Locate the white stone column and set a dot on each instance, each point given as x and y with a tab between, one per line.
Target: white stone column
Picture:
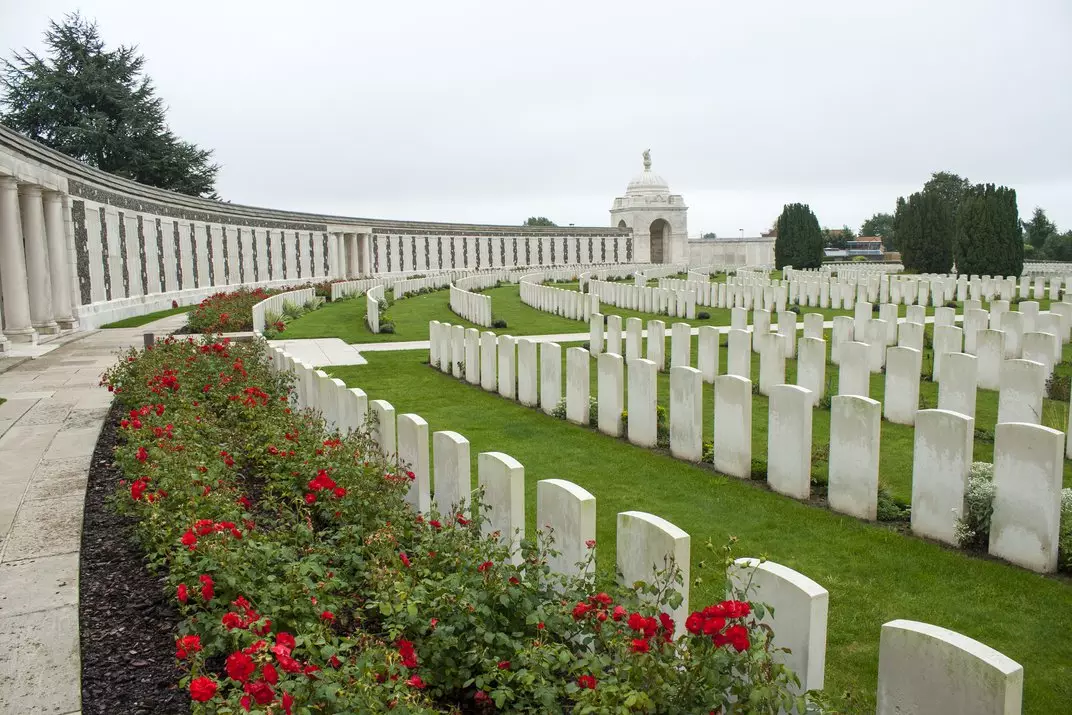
58	260
32	213
13	266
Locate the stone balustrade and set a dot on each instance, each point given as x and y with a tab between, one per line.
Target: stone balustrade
922	667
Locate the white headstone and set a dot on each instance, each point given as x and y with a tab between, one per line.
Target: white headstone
686	413
503	480
903	367
941	460
488	361
811	367
990	353
578	385
413	455
1023	383
707	352
611	393
1028	469
645	544
928	669
680	344
800	607
507	354
642	396
527	392
854	455
854	375
569	513
956	391
384	430
733	426
634	328
739	354
789	441
453	484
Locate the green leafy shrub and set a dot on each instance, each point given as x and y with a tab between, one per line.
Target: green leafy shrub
889	509
703	315
1058	387
560	410
759	469
972	529
306	583
226	312
1064	543
593	410
499	323
387	327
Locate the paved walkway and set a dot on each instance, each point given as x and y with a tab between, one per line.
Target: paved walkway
48	429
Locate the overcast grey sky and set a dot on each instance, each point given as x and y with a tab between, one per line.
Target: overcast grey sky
494	111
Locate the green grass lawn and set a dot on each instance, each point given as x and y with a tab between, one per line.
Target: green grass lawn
874	573
346	319
139	320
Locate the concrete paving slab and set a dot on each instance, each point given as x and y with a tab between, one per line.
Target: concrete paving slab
74	443
15	408
40	669
45	528
85	417
46	412
38	584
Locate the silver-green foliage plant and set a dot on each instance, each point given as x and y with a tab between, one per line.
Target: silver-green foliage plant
973	526
1064	550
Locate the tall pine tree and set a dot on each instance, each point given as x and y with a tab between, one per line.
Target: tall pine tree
800	240
97	106
924	228
989	240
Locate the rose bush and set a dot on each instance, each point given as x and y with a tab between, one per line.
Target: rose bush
307	584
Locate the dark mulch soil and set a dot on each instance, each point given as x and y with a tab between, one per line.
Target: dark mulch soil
127	625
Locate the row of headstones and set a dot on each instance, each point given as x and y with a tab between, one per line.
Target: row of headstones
274	304
569	304
341	289
474	307
800	605
404	287
373	297
855	418
646	299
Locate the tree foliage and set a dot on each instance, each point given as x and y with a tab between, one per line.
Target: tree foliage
1039	229
800	240
881	225
924	228
989	240
838	237
1058	247
710	235
950	188
98	106
538	221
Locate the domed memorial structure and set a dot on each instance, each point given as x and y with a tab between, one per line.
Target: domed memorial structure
659	219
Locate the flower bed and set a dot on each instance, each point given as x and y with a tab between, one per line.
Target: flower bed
226	312
307	584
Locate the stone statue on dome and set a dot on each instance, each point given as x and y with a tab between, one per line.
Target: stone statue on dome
647	159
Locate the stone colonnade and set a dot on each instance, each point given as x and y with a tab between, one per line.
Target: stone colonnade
35	277
350	254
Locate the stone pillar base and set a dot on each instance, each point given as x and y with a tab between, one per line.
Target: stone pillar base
47	328
25	335
67	323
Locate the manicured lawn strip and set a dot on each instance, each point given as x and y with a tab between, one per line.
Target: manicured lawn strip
873	573
411	315
139	320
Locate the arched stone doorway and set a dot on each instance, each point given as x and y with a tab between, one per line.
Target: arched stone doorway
621	224
660	239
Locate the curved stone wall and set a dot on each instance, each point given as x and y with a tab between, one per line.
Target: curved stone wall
80	247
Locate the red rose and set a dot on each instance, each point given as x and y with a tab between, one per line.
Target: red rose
207	590
586	682
287	663
327	616
484	566
261	691
407	653
602	599
232	620
334	661
416	682
339	492
181	593
694	623
288	703
618	613
240	666
639	645
310	498
591	543
713	626
202	689
404	558
738	637
482	697
186	645
286	640
735	609
580	610
268	672
142	455
504	665
636	621
189	539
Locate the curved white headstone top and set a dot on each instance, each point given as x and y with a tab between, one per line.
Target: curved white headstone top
800	608
924	668
569	511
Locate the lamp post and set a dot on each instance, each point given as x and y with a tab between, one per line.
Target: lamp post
742	233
